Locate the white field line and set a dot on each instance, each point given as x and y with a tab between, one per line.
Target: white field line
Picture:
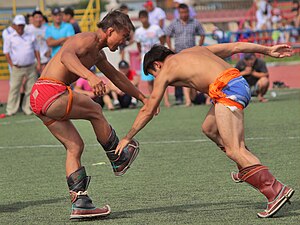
145	142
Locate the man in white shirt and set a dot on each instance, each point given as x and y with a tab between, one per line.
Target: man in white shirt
38	29
21	50
157	16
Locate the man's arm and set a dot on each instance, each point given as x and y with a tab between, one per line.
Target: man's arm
119	79
146	113
51	42
228	49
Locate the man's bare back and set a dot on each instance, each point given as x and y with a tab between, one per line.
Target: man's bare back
190	67
87	48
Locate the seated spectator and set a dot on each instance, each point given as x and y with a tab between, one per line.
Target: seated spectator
82	86
120	99
255	72
68	17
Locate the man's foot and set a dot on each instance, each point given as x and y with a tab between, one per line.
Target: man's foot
81	213
128	155
273	207
235	177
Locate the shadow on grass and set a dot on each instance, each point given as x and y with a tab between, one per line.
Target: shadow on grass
17	206
286	211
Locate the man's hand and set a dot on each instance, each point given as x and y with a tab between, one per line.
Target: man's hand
97	85
280	51
122	144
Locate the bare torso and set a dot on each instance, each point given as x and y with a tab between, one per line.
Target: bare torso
88	55
196	67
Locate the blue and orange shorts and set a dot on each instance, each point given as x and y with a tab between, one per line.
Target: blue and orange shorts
44	92
231	90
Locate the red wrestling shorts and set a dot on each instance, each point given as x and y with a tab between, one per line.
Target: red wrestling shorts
44	92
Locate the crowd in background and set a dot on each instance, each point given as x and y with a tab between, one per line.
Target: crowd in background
30	42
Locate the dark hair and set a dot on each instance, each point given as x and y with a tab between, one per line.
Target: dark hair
123	7
156	53
248	56
183	6
45	18
116	20
143	13
69	11
35	12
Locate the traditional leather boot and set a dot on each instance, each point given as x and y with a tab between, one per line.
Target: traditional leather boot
82	205
120	164
277	193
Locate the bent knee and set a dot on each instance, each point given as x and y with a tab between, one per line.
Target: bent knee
75	147
209	131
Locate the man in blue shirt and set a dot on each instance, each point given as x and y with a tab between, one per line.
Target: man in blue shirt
58	32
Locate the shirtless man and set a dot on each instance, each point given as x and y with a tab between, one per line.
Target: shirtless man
203	69
55	104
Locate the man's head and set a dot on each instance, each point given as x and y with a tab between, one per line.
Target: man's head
183	10
56	15
19	24
154	59
124	67
68	14
117	27
149	6
249	59
37	18
143	17
124	8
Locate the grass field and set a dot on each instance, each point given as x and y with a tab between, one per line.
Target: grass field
179	177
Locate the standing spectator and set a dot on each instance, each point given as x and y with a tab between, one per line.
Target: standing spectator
21	50
58	32
263	15
38	29
5	33
124	9
176	4
184	30
146	36
68	17
157	16
255	72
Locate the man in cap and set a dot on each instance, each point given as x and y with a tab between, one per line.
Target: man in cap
21	50
58	32
157	16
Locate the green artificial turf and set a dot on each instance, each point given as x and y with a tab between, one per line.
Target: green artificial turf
179	177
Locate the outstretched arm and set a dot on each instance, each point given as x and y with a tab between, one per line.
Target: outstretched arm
228	49
146	113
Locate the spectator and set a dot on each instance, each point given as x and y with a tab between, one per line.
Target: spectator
38	29
5	33
82	86
146	36
263	15
157	16
184	30
58	32
121	99
296	11
176	3
28	19
124	9
68	17
21	50
255	72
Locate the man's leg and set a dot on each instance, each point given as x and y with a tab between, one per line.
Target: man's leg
231	129
16	81
30	80
78	181
85	108
263	85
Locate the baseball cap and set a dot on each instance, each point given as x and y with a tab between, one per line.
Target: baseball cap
148	3
55	11
19	20
123	64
